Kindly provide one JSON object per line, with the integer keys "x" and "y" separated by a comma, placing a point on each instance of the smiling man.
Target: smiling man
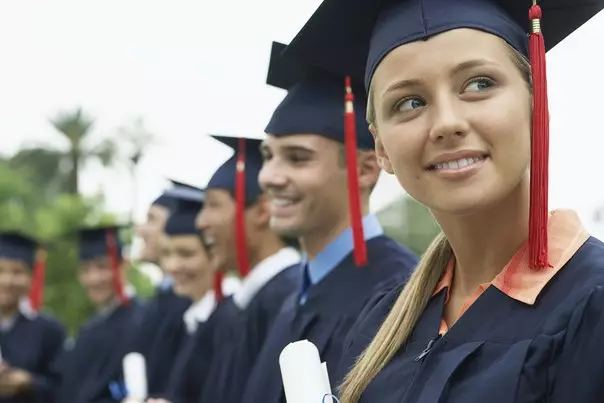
{"x": 235, "y": 223}
{"x": 93, "y": 367}
{"x": 30, "y": 342}
{"x": 312, "y": 195}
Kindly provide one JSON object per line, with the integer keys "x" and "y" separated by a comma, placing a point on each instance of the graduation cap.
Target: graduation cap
{"x": 188, "y": 201}
{"x": 323, "y": 103}
{"x": 239, "y": 176}
{"x": 18, "y": 246}
{"x": 352, "y": 37}
{"x": 166, "y": 199}
{"x": 100, "y": 242}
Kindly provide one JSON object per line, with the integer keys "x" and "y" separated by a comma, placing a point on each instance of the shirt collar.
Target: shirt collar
{"x": 517, "y": 280}
{"x": 339, "y": 248}
{"x": 262, "y": 273}
{"x": 199, "y": 312}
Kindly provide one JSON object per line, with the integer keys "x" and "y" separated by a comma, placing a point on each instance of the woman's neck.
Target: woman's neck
{"x": 314, "y": 242}
{"x": 483, "y": 243}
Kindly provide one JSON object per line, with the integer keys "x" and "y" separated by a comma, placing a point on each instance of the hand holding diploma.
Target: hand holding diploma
{"x": 305, "y": 378}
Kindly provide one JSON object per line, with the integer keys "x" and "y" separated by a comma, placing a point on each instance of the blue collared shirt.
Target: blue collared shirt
{"x": 327, "y": 260}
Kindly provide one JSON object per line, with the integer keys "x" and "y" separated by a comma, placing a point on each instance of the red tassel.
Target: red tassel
{"x": 114, "y": 262}
{"x": 350, "y": 141}
{"x": 218, "y": 277}
{"x": 240, "y": 241}
{"x": 538, "y": 243}
{"x": 36, "y": 294}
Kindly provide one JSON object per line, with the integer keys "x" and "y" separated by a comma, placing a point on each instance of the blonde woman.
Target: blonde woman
{"x": 507, "y": 304}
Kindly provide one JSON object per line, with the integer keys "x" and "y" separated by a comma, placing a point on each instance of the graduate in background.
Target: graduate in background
{"x": 185, "y": 259}
{"x": 319, "y": 176}
{"x": 93, "y": 367}
{"x": 30, "y": 342}
{"x": 269, "y": 267}
{"x": 162, "y": 329}
{"x": 507, "y": 304}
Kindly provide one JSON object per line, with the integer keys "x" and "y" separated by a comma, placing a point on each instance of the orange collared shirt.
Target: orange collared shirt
{"x": 517, "y": 280}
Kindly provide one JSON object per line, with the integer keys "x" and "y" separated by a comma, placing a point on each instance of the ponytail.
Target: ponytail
{"x": 401, "y": 320}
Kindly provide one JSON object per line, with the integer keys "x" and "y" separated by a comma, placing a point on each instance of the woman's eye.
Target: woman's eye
{"x": 409, "y": 104}
{"x": 479, "y": 84}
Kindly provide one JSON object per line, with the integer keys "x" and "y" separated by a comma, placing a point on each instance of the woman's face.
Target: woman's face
{"x": 452, "y": 120}
{"x": 185, "y": 259}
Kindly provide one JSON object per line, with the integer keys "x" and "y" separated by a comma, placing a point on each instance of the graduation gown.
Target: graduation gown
{"x": 330, "y": 310}
{"x": 92, "y": 371}
{"x": 231, "y": 368}
{"x": 195, "y": 357}
{"x": 541, "y": 343}
{"x": 34, "y": 343}
{"x": 160, "y": 337}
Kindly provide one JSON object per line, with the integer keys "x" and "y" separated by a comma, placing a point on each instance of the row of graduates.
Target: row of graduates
{"x": 289, "y": 214}
{"x": 506, "y": 304}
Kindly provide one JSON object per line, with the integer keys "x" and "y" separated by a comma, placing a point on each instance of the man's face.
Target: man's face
{"x": 96, "y": 277}
{"x": 151, "y": 231}
{"x": 305, "y": 178}
{"x": 217, "y": 223}
{"x": 15, "y": 281}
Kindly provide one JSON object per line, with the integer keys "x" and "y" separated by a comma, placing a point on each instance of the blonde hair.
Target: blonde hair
{"x": 416, "y": 294}
{"x": 401, "y": 320}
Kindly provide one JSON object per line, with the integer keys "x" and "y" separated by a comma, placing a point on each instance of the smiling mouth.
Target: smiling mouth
{"x": 208, "y": 241}
{"x": 283, "y": 201}
{"x": 458, "y": 163}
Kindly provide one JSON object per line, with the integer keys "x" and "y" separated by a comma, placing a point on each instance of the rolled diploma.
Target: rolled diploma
{"x": 303, "y": 375}
{"x": 135, "y": 376}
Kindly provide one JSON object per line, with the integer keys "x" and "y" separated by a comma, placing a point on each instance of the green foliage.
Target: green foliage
{"x": 410, "y": 223}
{"x": 39, "y": 196}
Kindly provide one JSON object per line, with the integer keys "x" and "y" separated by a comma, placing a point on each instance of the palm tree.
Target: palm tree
{"x": 137, "y": 139}
{"x": 75, "y": 127}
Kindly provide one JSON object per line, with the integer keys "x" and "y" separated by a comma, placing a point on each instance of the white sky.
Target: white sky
{"x": 193, "y": 67}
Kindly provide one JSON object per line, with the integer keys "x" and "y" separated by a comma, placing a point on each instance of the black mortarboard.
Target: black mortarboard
{"x": 239, "y": 176}
{"x": 92, "y": 242}
{"x": 163, "y": 201}
{"x": 18, "y": 246}
{"x": 224, "y": 177}
{"x": 314, "y": 102}
{"x": 103, "y": 242}
{"x": 353, "y": 36}
{"x": 188, "y": 201}
{"x": 166, "y": 199}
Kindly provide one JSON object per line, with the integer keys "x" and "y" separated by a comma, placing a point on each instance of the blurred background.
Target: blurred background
{"x": 101, "y": 102}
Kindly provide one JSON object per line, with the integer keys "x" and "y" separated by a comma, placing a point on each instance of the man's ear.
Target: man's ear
{"x": 259, "y": 213}
{"x": 382, "y": 157}
{"x": 369, "y": 170}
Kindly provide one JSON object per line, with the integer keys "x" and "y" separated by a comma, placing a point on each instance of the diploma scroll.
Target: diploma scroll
{"x": 305, "y": 378}
{"x": 135, "y": 377}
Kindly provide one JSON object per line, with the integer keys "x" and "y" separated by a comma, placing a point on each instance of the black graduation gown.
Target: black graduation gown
{"x": 330, "y": 310}
{"x": 35, "y": 345}
{"x": 160, "y": 336}
{"x": 232, "y": 366}
{"x": 95, "y": 361}
{"x": 195, "y": 358}
{"x": 501, "y": 350}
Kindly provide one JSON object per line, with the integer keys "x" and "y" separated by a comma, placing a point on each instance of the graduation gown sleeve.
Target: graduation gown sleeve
{"x": 46, "y": 380}
{"x": 35, "y": 345}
